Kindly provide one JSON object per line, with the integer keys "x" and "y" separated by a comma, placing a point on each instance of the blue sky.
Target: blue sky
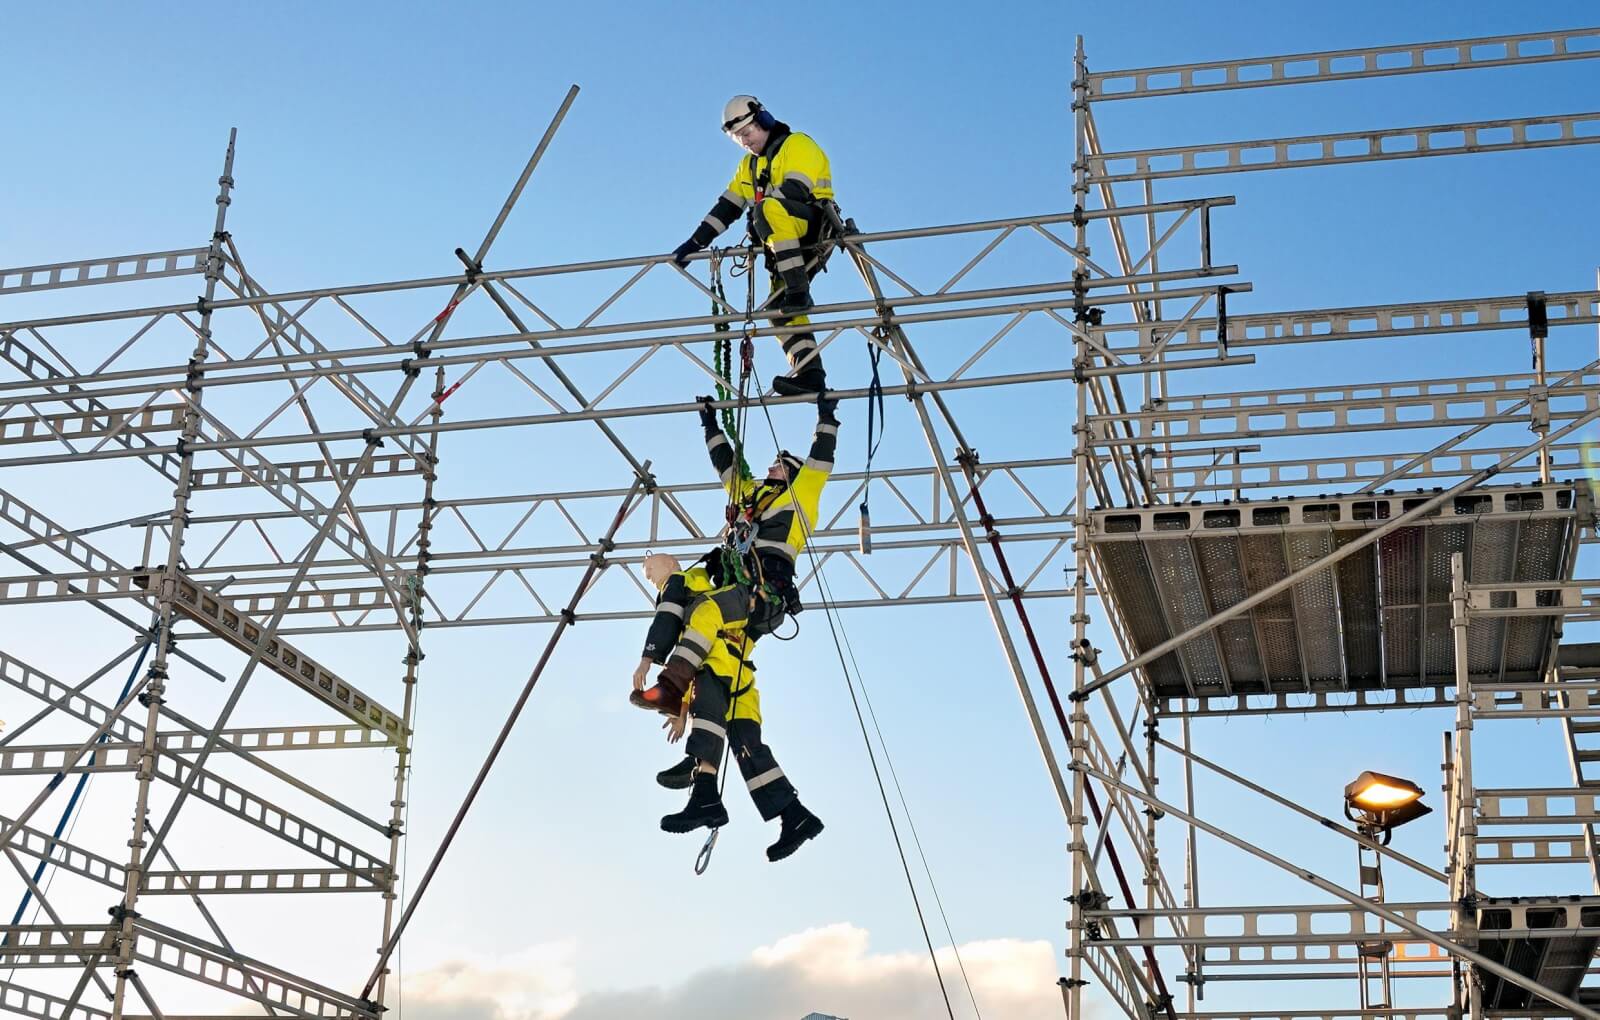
{"x": 374, "y": 139}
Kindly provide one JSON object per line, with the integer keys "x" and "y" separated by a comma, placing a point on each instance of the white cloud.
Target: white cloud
{"x": 537, "y": 983}
{"x": 830, "y": 969}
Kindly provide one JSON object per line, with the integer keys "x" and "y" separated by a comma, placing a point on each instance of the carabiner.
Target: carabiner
{"x": 703, "y": 860}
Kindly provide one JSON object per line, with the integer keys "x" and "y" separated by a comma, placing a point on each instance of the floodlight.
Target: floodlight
{"x": 1373, "y": 791}
{"x": 1378, "y": 803}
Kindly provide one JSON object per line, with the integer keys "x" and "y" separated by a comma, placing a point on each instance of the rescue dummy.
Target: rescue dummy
{"x": 721, "y": 705}
{"x": 786, "y": 185}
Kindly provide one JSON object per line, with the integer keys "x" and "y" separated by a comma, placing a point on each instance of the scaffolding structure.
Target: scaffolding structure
{"x": 1176, "y": 518}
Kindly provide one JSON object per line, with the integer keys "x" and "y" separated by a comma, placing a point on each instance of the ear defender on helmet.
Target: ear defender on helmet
{"x": 741, "y": 110}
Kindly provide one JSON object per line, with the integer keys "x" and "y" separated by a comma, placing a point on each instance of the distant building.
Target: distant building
{"x": 822, "y": 1016}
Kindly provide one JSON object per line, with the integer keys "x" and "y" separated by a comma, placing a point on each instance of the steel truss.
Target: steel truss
{"x": 279, "y": 417}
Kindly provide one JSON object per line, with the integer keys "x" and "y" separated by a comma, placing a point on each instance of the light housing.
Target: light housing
{"x": 1382, "y": 802}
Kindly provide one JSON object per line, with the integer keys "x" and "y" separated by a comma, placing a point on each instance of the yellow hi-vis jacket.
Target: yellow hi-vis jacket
{"x": 779, "y": 528}
{"x": 792, "y": 167}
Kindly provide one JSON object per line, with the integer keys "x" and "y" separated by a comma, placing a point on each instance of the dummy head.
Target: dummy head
{"x": 660, "y": 566}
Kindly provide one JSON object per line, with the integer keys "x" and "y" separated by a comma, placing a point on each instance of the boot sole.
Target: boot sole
{"x": 637, "y": 701}
{"x": 807, "y": 833}
{"x": 791, "y": 390}
{"x": 672, "y": 782}
{"x": 672, "y": 823}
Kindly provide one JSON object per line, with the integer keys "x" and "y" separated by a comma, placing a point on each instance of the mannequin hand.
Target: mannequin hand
{"x": 676, "y": 726}
{"x": 641, "y": 673}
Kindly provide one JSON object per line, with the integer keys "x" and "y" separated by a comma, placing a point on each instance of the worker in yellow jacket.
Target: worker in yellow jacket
{"x": 783, "y": 183}
{"x": 722, "y": 704}
{"x": 772, "y": 520}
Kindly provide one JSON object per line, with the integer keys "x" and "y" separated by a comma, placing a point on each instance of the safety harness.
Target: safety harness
{"x": 827, "y": 219}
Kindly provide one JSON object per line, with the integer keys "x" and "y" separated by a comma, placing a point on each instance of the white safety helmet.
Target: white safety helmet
{"x": 741, "y": 110}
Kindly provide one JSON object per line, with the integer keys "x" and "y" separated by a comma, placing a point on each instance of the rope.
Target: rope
{"x": 722, "y": 358}
{"x": 733, "y": 423}
{"x": 835, "y": 627}
{"x": 874, "y": 414}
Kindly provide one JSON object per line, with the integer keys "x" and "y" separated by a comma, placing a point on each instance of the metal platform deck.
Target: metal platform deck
{"x": 1377, "y": 620}
{"x": 1550, "y": 939}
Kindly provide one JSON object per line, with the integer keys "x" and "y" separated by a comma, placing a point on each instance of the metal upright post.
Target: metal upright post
{"x": 413, "y": 659}
{"x": 124, "y": 913}
{"x": 1191, "y": 866}
{"x": 1463, "y": 875}
{"x": 1077, "y": 845}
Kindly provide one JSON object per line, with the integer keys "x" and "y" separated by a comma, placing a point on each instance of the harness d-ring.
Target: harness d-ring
{"x": 703, "y": 860}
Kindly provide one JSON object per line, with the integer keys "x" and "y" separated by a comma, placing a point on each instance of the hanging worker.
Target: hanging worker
{"x": 722, "y": 705}
{"x": 785, "y": 184}
{"x": 771, "y": 521}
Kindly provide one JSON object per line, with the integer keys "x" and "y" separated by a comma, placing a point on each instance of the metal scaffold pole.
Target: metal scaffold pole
{"x": 156, "y": 678}
{"x": 1083, "y": 469}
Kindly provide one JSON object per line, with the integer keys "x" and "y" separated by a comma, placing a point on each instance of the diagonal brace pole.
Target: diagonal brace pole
{"x": 569, "y": 616}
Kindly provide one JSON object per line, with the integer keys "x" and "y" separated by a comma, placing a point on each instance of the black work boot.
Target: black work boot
{"x": 796, "y": 297}
{"x": 799, "y": 825}
{"x": 704, "y": 807}
{"x": 679, "y": 776}
{"x": 810, "y": 379}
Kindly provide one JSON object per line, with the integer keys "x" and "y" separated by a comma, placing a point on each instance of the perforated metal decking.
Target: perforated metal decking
{"x": 1550, "y": 939}
{"x": 1377, "y": 620}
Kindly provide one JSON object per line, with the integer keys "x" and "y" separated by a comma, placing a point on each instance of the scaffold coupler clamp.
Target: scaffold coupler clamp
{"x": 474, "y": 268}
{"x": 598, "y": 557}
{"x": 1085, "y": 653}
{"x": 967, "y": 458}
{"x": 1072, "y": 983}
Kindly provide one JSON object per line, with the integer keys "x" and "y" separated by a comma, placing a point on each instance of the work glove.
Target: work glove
{"x": 680, "y": 254}
{"x": 826, "y": 405}
{"x": 708, "y": 414}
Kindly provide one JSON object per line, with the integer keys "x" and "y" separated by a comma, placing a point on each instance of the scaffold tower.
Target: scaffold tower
{"x": 239, "y": 625}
